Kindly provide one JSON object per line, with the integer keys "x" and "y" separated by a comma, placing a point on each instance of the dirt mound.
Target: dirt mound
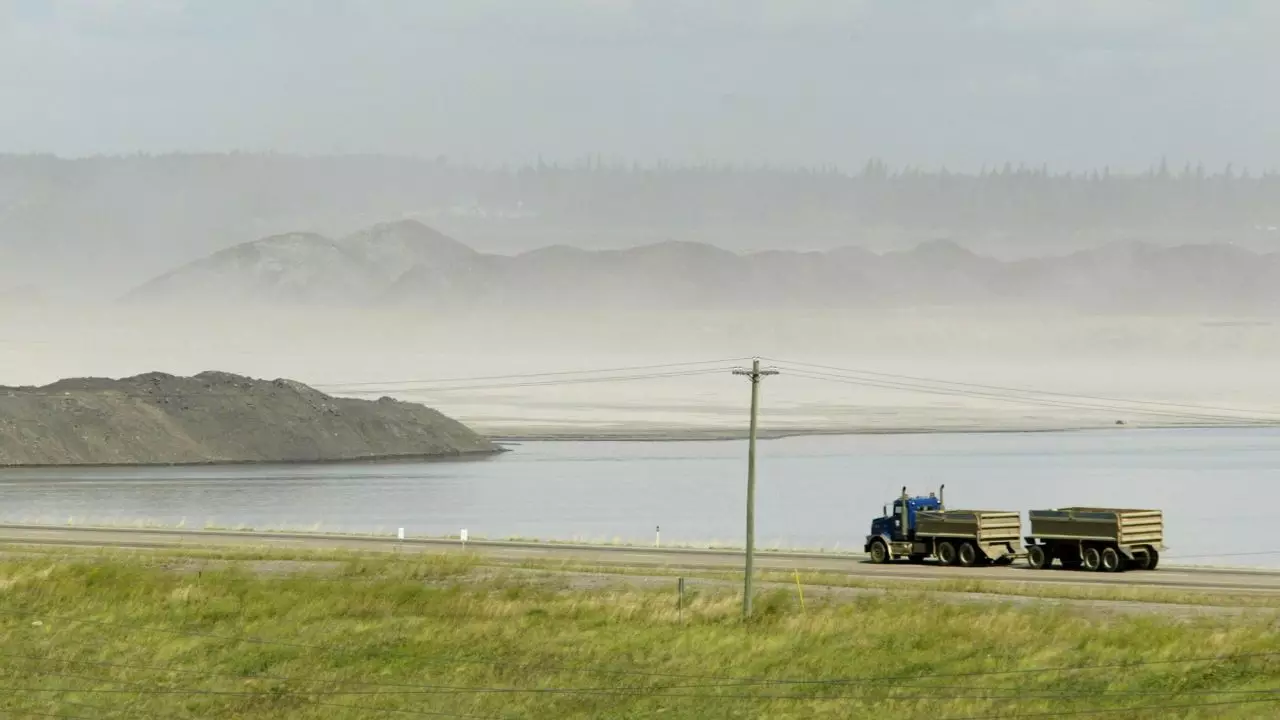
{"x": 157, "y": 418}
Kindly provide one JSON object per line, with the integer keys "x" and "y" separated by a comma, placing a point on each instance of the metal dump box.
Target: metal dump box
{"x": 995, "y": 532}
{"x": 1108, "y": 539}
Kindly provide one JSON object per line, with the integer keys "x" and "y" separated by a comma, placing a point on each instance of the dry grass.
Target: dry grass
{"x": 120, "y": 635}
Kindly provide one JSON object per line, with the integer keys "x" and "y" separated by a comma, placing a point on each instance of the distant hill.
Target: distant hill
{"x": 409, "y": 264}
{"x": 214, "y": 417}
{"x": 97, "y": 226}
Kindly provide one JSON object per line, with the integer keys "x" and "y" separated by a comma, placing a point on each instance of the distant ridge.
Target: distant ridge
{"x": 406, "y": 263}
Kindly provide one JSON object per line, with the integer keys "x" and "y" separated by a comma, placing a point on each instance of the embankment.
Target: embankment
{"x": 215, "y": 417}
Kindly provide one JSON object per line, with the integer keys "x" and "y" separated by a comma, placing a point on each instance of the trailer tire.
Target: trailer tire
{"x": 1037, "y": 557}
{"x": 968, "y": 554}
{"x": 879, "y": 552}
{"x": 1092, "y": 559}
{"x": 1112, "y": 561}
{"x": 1147, "y": 560}
{"x": 947, "y": 553}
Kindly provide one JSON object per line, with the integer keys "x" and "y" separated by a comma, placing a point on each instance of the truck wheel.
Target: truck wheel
{"x": 968, "y": 555}
{"x": 1092, "y": 559}
{"x": 1112, "y": 561}
{"x": 879, "y": 552}
{"x": 947, "y": 553}
{"x": 1037, "y": 558}
{"x": 1147, "y": 560}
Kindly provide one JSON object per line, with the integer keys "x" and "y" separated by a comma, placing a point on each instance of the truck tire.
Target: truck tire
{"x": 968, "y": 554}
{"x": 1147, "y": 560}
{"x": 1112, "y": 560}
{"x": 879, "y": 552}
{"x": 1037, "y": 558}
{"x": 1091, "y": 559}
{"x": 946, "y": 553}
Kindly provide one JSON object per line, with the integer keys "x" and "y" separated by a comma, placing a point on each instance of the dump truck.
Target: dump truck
{"x": 920, "y": 528}
{"x": 1096, "y": 539}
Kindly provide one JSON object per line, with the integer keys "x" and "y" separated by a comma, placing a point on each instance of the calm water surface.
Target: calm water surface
{"x": 1220, "y": 489}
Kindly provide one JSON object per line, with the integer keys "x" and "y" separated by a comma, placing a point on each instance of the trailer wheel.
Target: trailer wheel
{"x": 947, "y": 553}
{"x": 1111, "y": 560}
{"x": 1147, "y": 560}
{"x": 879, "y": 552}
{"x": 1037, "y": 558}
{"x": 1092, "y": 559}
{"x": 968, "y": 555}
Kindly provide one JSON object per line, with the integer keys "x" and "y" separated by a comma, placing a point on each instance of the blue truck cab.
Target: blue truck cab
{"x": 891, "y": 524}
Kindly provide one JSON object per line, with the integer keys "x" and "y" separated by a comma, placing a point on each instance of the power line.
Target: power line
{"x": 135, "y": 688}
{"x": 1022, "y": 696}
{"x": 559, "y": 373}
{"x": 181, "y": 395}
{"x": 544, "y": 383}
{"x": 1224, "y": 420}
{"x": 1101, "y": 711}
{"x": 727, "y": 678}
{"x": 1012, "y": 389}
{"x": 421, "y": 688}
{"x": 35, "y": 713}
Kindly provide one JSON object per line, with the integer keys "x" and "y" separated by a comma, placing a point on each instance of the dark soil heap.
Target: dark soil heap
{"x": 215, "y": 417}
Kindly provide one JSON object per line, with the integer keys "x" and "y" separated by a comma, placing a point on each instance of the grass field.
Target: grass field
{"x": 137, "y": 635}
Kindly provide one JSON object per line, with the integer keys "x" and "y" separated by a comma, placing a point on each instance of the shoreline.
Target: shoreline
{"x": 724, "y": 434}
{"x": 668, "y": 434}
{"x": 433, "y": 457}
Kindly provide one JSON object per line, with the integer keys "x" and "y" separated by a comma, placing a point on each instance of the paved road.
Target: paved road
{"x": 1167, "y": 577}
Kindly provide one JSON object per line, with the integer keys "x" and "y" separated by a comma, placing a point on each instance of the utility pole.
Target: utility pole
{"x": 755, "y": 374}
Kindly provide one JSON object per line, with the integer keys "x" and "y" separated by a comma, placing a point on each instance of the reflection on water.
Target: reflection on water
{"x": 1218, "y": 489}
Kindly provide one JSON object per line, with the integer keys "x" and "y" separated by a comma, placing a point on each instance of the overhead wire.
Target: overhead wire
{"x": 1003, "y": 388}
{"x": 519, "y": 376}
{"x": 1109, "y": 710}
{"x": 601, "y": 671}
{"x": 546, "y": 383}
{"x": 477, "y": 386}
{"x": 924, "y": 389}
{"x": 1271, "y": 695}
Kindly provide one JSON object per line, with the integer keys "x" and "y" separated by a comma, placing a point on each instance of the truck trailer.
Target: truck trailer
{"x": 1096, "y": 539}
{"x": 919, "y": 528}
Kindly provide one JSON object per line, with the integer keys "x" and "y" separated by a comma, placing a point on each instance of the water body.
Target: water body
{"x": 1220, "y": 489}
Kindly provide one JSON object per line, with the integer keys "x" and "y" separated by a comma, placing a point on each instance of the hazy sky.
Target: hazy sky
{"x": 959, "y": 83}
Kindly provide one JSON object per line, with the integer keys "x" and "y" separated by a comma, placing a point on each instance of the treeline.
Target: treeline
{"x": 1006, "y": 197}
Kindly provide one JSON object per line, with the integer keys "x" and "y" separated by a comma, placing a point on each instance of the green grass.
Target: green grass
{"x": 107, "y": 635}
{"x": 385, "y": 564}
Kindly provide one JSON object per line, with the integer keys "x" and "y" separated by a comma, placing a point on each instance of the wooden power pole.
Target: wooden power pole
{"x": 755, "y": 374}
